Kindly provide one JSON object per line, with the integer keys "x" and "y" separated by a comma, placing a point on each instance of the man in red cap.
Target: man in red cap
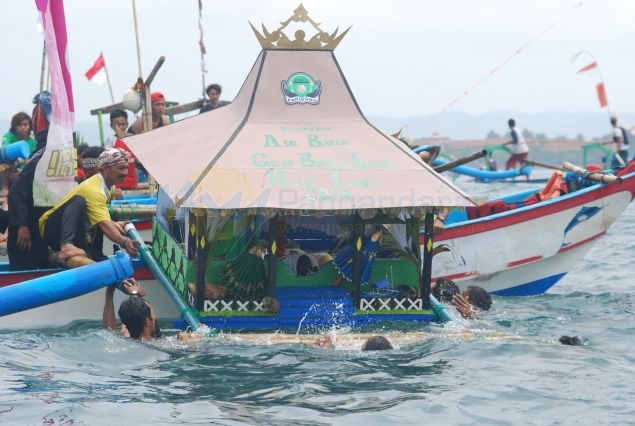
{"x": 158, "y": 114}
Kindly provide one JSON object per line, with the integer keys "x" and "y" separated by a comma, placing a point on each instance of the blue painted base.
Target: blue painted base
{"x": 533, "y": 288}
{"x": 308, "y": 310}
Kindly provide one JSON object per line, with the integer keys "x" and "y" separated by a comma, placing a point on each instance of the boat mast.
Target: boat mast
{"x": 145, "y": 94}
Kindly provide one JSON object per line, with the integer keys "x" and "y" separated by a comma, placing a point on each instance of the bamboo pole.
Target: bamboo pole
{"x": 567, "y": 166}
{"x": 596, "y": 176}
{"x": 112, "y": 98}
{"x": 545, "y": 165}
{"x": 460, "y": 161}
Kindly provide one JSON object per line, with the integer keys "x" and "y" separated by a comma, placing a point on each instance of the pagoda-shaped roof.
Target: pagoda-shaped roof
{"x": 294, "y": 139}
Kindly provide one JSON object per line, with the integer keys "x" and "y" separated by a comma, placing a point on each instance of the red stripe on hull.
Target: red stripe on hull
{"x": 17, "y": 277}
{"x": 144, "y": 225}
{"x": 524, "y": 261}
{"x": 455, "y": 276}
{"x": 538, "y": 210}
{"x": 579, "y": 243}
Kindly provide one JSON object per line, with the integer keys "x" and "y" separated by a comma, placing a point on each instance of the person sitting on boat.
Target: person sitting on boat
{"x": 213, "y": 93}
{"x": 159, "y": 118}
{"x": 63, "y": 227}
{"x": 20, "y": 130}
{"x": 620, "y": 139}
{"x": 519, "y": 146}
{"x": 25, "y": 246}
{"x": 491, "y": 164}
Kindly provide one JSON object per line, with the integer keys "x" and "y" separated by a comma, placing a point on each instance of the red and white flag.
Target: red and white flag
{"x": 97, "y": 73}
{"x": 587, "y": 66}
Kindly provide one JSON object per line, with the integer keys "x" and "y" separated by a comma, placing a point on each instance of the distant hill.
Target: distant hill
{"x": 456, "y": 125}
{"x": 460, "y": 126}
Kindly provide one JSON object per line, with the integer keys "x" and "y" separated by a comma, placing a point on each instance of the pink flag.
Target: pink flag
{"x": 97, "y": 73}
{"x": 55, "y": 172}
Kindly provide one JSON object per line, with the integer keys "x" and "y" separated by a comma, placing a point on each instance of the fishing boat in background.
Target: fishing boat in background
{"x": 486, "y": 174}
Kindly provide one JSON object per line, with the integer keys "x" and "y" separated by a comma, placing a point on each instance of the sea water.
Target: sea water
{"x": 83, "y": 375}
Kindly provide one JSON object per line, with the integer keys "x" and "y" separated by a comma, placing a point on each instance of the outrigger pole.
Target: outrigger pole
{"x": 186, "y": 312}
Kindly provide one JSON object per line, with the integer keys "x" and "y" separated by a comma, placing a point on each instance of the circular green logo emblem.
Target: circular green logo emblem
{"x": 301, "y": 84}
{"x": 301, "y": 88}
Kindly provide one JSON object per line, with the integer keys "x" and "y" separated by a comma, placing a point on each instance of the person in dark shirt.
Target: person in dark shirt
{"x": 26, "y": 248}
{"x": 213, "y": 92}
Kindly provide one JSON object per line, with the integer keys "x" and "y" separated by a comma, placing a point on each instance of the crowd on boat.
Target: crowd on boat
{"x": 103, "y": 174}
{"x": 32, "y": 231}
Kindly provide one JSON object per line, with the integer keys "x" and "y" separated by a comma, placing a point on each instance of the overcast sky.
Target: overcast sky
{"x": 401, "y": 57}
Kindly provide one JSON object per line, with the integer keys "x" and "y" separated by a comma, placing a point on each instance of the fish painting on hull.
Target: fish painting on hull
{"x": 583, "y": 215}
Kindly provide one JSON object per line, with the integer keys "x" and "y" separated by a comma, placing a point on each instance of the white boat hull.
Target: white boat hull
{"x": 527, "y": 250}
{"x": 87, "y": 307}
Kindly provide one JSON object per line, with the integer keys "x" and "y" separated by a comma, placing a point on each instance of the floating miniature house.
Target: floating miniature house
{"x": 268, "y": 203}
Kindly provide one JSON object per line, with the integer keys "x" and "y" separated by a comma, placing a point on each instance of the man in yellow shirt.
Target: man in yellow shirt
{"x": 64, "y": 227}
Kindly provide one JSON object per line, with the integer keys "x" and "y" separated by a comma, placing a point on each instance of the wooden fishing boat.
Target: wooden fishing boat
{"x": 526, "y": 250}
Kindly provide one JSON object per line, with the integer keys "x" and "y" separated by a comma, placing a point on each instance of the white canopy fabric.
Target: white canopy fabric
{"x": 262, "y": 152}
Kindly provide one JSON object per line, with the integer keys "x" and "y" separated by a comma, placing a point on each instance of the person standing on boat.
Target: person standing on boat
{"x": 64, "y": 226}
{"x": 519, "y": 146}
{"x": 159, "y": 118}
{"x": 119, "y": 123}
{"x": 213, "y": 93}
{"x": 620, "y": 139}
